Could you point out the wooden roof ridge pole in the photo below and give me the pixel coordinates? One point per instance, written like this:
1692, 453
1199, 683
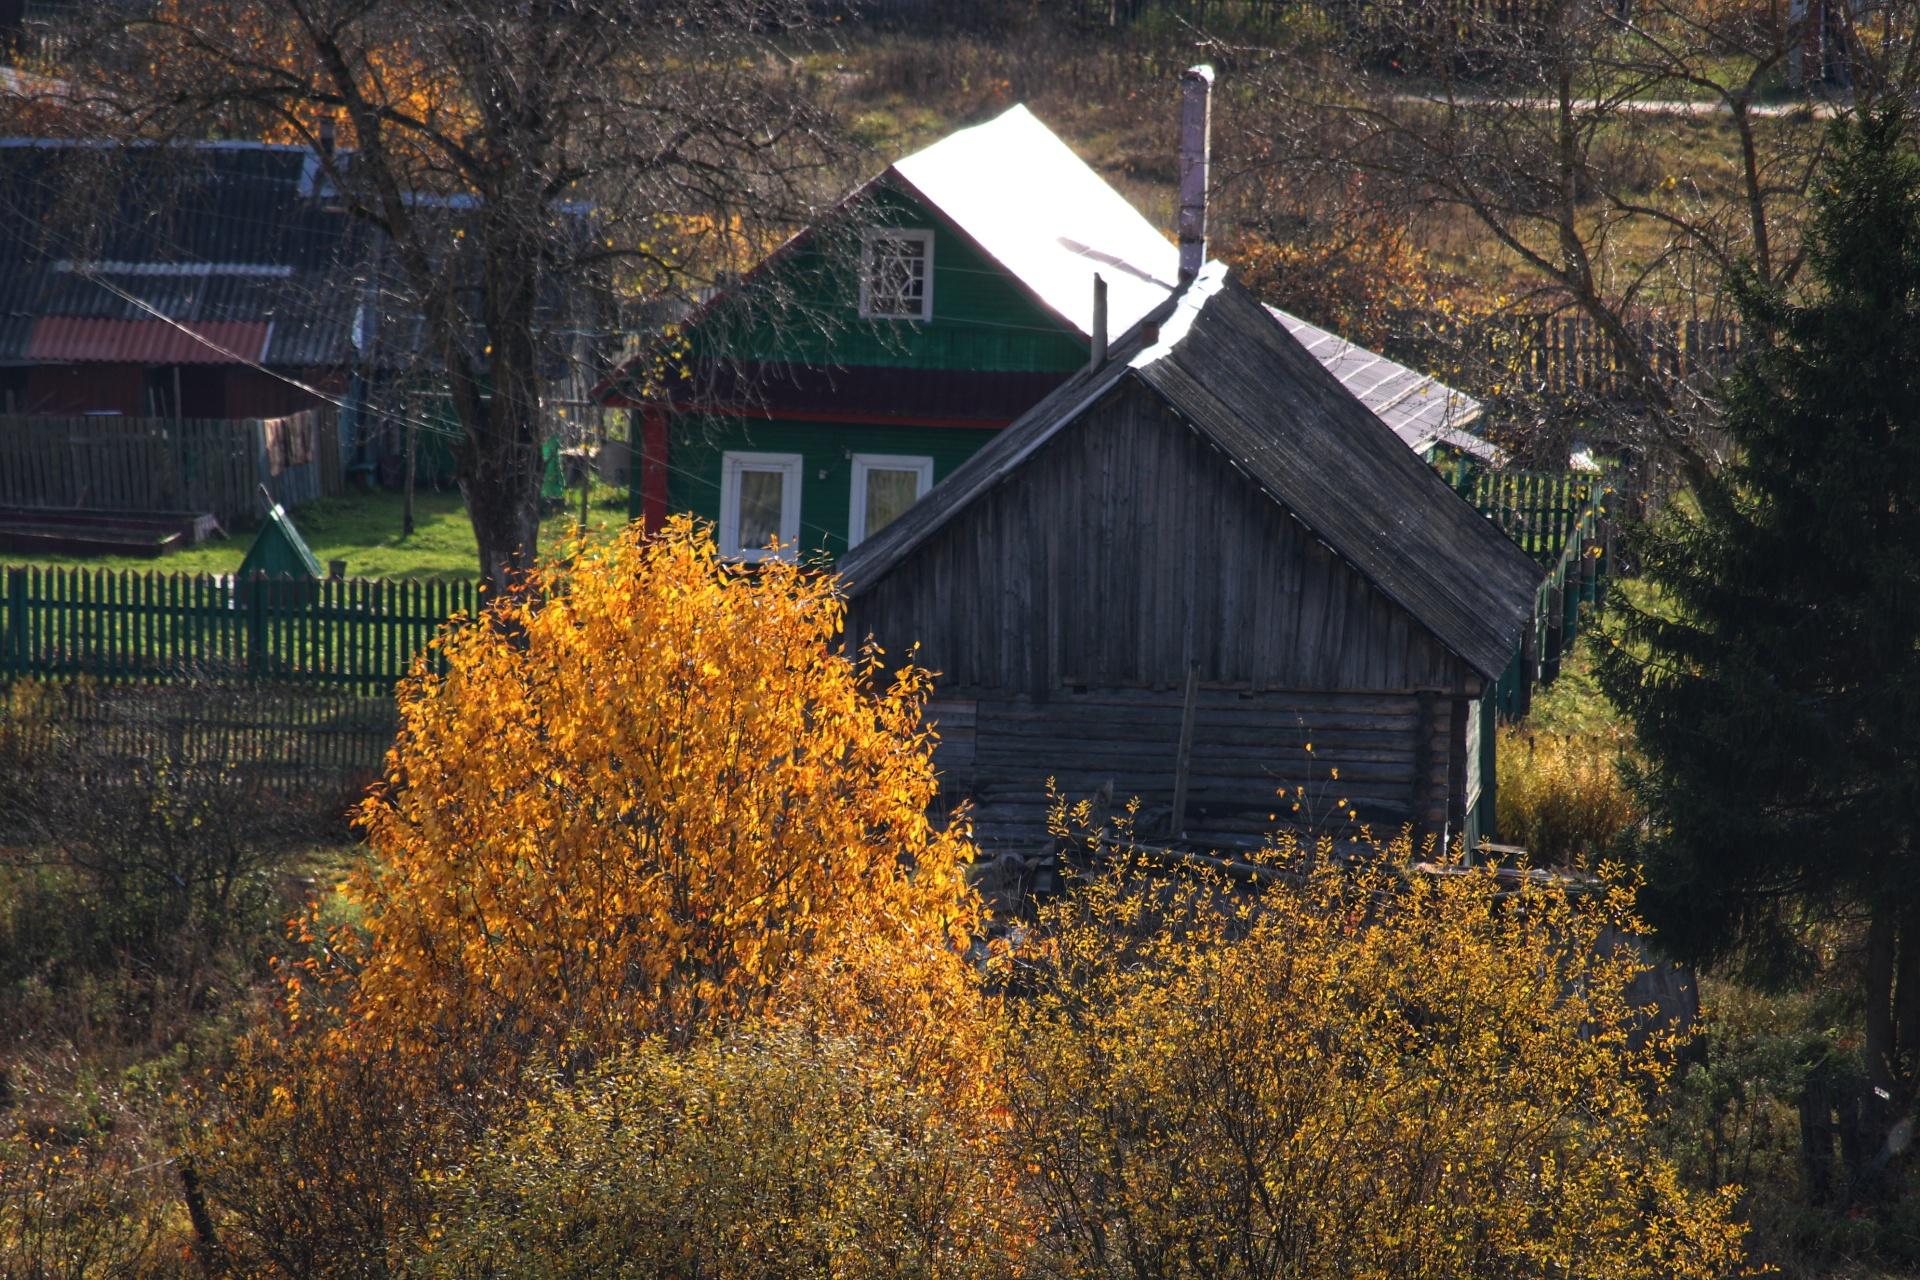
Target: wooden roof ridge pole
1196, 126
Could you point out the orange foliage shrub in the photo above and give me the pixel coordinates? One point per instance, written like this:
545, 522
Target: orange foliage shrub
643, 798
648, 801
1359, 280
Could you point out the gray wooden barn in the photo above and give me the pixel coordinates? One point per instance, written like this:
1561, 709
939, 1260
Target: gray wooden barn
1195, 558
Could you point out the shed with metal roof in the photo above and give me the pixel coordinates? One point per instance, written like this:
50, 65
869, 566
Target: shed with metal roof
1203, 572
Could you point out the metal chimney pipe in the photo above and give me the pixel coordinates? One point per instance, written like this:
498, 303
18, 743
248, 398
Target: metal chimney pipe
1196, 128
1099, 321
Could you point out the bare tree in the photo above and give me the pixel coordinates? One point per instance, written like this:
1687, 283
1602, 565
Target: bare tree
1624, 159
512, 155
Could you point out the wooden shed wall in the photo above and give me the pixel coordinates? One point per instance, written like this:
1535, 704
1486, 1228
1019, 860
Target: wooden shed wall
1249, 753
1125, 548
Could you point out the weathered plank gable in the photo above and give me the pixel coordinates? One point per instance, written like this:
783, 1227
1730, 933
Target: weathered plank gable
1127, 548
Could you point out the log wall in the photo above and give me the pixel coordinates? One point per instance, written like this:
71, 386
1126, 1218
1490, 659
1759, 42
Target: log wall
1249, 752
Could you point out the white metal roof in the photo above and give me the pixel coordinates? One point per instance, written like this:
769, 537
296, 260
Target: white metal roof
1043, 214
1040, 211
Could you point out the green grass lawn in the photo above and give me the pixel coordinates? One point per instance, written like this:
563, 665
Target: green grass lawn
364, 530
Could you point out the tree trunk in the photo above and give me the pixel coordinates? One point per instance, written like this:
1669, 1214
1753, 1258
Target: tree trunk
406, 481
500, 472
505, 511
1817, 1133
1879, 992
1883, 1087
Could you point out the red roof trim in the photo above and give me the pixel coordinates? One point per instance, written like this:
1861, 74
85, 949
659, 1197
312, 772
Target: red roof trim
799, 415
85, 340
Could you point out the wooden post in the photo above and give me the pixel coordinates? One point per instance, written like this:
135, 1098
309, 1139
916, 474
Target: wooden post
1099, 356
1460, 708
653, 467
1421, 803
206, 1245
1183, 763
406, 481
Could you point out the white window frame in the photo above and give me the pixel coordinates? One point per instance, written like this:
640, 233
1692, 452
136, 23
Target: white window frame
733, 465
925, 240
865, 462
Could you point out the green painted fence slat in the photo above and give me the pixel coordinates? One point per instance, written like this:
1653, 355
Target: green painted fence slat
121, 625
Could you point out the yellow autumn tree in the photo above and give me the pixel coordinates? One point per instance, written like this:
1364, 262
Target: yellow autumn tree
646, 806
649, 796
1351, 1071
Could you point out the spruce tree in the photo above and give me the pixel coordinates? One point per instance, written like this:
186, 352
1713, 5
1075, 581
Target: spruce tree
1774, 676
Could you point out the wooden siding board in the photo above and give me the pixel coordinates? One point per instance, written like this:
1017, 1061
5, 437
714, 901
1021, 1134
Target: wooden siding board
1244, 751
1076, 569
1234, 374
1114, 601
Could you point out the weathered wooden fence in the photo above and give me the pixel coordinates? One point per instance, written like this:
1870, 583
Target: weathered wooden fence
305, 741
169, 464
1559, 518
1353, 14
1568, 355
351, 634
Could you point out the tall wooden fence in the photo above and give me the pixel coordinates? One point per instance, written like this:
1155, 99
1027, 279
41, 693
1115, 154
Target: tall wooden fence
1570, 355
352, 634
169, 464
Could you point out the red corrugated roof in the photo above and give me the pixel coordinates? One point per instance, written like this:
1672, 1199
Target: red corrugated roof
81, 339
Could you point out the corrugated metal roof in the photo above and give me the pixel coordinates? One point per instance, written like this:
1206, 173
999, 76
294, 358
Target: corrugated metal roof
227, 239
1421, 410
1234, 373
82, 340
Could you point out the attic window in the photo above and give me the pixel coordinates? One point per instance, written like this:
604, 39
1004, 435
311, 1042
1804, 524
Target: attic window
896, 275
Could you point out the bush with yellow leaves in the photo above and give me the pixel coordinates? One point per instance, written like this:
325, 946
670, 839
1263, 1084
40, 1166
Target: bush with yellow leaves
766, 1152
1350, 1071
79, 1206
647, 799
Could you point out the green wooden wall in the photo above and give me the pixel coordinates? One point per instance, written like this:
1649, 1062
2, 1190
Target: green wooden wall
826, 478
806, 309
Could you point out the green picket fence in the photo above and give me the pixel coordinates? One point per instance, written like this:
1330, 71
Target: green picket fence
1560, 519
1542, 511
354, 634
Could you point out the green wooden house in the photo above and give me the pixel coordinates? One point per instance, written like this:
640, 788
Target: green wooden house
914, 333
880, 348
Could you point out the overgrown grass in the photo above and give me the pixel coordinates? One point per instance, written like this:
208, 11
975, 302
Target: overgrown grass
1561, 796
1560, 792
364, 530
